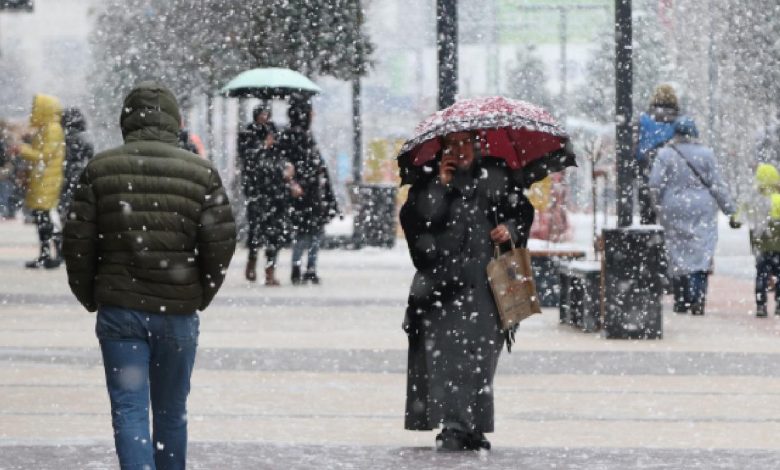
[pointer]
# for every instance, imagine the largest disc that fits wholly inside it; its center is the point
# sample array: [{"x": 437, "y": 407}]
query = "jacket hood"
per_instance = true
[
  {"x": 767, "y": 177},
  {"x": 150, "y": 112},
  {"x": 45, "y": 110},
  {"x": 73, "y": 121}
]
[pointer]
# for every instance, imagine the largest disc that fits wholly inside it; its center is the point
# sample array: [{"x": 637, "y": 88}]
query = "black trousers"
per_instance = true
[{"x": 647, "y": 215}]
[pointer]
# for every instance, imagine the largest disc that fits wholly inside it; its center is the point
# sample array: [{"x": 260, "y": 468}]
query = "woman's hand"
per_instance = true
[
  {"x": 296, "y": 190},
  {"x": 500, "y": 234},
  {"x": 446, "y": 170}
]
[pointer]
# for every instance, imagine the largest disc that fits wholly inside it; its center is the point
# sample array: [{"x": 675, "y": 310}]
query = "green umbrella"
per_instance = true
[{"x": 268, "y": 83}]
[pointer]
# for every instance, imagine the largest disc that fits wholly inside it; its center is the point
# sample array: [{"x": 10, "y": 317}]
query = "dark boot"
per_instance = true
[
  {"x": 680, "y": 308},
  {"x": 697, "y": 309},
  {"x": 251, "y": 270},
  {"x": 311, "y": 276},
  {"x": 270, "y": 280},
  {"x": 761, "y": 311},
  {"x": 452, "y": 440},
  {"x": 295, "y": 277},
  {"x": 478, "y": 441},
  {"x": 43, "y": 260}
]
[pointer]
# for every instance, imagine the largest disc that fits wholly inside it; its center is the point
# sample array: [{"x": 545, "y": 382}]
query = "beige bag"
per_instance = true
[{"x": 512, "y": 282}]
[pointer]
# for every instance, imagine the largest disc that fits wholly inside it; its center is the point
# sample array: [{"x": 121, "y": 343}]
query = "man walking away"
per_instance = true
[{"x": 147, "y": 243}]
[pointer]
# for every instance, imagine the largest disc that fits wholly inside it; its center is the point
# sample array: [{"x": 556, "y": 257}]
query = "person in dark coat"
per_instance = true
[
  {"x": 314, "y": 203},
  {"x": 452, "y": 223},
  {"x": 78, "y": 152},
  {"x": 266, "y": 177},
  {"x": 148, "y": 242}
]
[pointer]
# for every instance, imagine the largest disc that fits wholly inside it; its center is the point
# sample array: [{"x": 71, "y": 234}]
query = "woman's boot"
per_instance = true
[
  {"x": 270, "y": 280},
  {"x": 251, "y": 270}
]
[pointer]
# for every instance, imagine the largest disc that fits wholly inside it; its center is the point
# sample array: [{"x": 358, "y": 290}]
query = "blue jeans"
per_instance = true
[
  {"x": 305, "y": 242},
  {"x": 767, "y": 264},
  {"x": 148, "y": 355}
]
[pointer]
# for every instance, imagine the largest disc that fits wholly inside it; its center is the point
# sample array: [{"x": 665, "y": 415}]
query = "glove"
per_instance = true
[{"x": 734, "y": 223}]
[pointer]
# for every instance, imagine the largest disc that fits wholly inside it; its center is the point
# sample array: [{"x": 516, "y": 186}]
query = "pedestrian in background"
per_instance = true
[
  {"x": 653, "y": 130},
  {"x": 46, "y": 156},
  {"x": 78, "y": 152},
  {"x": 762, "y": 213},
  {"x": 688, "y": 189},
  {"x": 7, "y": 175},
  {"x": 314, "y": 203},
  {"x": 148, "y": 241},
  {"x": 453, "y": 221},
  {"x": 266, "y": 176}
]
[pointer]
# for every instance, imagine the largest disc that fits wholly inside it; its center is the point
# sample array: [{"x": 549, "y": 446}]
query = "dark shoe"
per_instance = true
[
  {"x": 697, "y": 309},
  {"x": 478, "y": 441},
  {"x": 295, "y": 277},
  {"x": 51, "y": 263},
  {"x": 680, "y": 308},
  {"x": 36, "y": 263},
  {"x": 270, "y": 280},
  {"x": 761, "y": 311},
  {"x": 452, "y": 440},
  {"x": 251, "y": 270},
  {"x": 311, "y": 276}
]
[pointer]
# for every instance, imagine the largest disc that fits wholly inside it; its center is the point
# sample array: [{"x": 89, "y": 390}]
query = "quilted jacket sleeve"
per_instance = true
[
  {"x": 216, "y": 239},
  {"x": 80, "y": 243}
]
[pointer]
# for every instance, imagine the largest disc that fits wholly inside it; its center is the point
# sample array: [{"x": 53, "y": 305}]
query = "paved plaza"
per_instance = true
[{"x": 314, "y": 377}]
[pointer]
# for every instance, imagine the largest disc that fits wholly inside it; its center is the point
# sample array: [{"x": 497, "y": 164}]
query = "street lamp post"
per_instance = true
[
  {"x": 623, "y": 112},
  {"x": 447, "y": 48}
]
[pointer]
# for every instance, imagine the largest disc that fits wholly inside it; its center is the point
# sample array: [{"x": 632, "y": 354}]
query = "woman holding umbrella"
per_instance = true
[{"x": 466, "y": 199}]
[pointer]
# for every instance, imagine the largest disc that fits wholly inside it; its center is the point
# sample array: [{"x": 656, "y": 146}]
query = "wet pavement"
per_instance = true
[{"x": 314, "y": 377}]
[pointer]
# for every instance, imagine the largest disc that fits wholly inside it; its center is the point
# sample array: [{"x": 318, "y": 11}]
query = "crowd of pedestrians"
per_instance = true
[
  {"x": 173, "y": 234},
  {"x": 289, "y": 195}
]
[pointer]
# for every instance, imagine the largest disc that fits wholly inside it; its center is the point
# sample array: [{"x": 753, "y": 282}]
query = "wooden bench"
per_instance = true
[{"x": 546, "y": 266}]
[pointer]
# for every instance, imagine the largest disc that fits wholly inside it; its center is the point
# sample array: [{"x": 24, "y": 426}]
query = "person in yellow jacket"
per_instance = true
[
  {"x": 762, "y": 213},
  {"x": 45, "y": 154}
]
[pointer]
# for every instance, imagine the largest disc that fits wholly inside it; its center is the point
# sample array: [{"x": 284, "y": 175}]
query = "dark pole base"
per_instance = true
[{"x": 634, "y": 259}]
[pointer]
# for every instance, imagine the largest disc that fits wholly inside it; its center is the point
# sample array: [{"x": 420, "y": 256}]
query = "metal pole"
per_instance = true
[
  {"x": 357, "y": 133},
  {"x": 623, "y": 112},
  {"x": 447, "y": 47}
]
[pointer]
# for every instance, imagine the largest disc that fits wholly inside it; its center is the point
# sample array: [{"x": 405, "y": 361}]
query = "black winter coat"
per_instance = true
[
  {"x": 267, "y": 194},
  {"x": 452, "y": 321},
  {"x": 78, "y": 152},
  {"x": 318, "y": 206},
  {"x": 150, "y": 226}
]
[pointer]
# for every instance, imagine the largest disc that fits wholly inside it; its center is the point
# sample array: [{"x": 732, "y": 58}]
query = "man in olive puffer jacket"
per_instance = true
[{"x": 148, "y": 240}]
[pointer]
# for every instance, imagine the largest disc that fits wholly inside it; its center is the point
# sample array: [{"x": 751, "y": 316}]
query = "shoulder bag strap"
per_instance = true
[{"x": 693, "y": 169}]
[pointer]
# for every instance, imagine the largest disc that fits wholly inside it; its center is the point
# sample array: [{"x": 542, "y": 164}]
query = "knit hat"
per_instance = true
[
  {"x": 664, "y": 97},
  {"x": 767, "y": 176}
]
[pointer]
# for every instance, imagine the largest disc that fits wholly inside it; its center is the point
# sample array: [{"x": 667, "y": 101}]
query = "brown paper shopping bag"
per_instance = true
[{"x": 512, "y": 282}]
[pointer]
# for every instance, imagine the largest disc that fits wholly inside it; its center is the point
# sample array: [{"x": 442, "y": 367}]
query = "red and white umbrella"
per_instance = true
[{"x": 524, "y": 135}]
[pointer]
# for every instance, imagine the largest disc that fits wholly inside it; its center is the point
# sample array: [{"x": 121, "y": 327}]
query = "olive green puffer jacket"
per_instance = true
[{"x": 150, "y": 227}]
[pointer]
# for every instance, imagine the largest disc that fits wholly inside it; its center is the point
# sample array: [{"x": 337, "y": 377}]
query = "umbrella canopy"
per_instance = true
[
  {"x": 525, "y": 136},
  {"x": 268, "y": 83}
]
